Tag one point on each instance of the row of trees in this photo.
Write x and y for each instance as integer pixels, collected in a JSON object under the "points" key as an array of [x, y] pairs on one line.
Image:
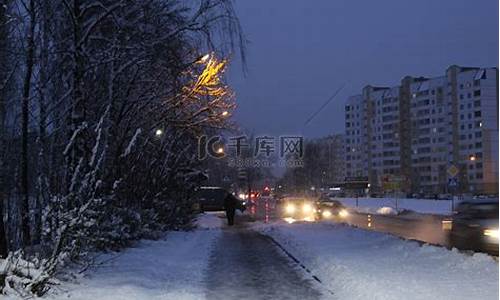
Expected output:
{"points": [[101, 105], [323, 166]]}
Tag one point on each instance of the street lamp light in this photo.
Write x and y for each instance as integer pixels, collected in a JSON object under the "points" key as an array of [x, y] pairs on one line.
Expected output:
{"points": [[472, 158], [158, 132], [204, 58], [225, 113], [220, 150]]}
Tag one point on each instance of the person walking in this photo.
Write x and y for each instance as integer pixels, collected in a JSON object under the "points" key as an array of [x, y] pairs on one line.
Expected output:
{"points": [[230, 205]]}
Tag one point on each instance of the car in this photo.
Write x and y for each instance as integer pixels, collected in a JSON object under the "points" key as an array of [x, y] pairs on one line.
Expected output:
{"points": [[474, 226], [330, 209], [298, 208], [212, 199]]}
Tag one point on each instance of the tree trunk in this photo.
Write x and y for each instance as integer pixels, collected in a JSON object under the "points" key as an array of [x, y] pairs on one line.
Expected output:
{"points": [[25, 217], [78, 102], [3, 44], [42, 183]]}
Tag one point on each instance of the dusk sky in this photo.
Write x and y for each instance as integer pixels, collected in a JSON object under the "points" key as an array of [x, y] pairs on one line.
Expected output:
{"points": [[300, 52]]}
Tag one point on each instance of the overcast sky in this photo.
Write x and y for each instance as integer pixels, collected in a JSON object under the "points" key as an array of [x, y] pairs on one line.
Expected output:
{"points": [[301, 51]]}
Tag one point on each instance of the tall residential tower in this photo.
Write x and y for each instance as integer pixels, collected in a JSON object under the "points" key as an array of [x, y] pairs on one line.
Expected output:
{"points": [[434, 134]]}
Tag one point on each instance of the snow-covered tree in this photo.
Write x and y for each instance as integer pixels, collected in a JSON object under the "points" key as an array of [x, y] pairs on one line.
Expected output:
{"points": [[102, 145]]}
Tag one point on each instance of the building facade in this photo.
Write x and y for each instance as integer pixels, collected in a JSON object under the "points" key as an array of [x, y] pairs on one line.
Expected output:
{"points": [[432, 135]]}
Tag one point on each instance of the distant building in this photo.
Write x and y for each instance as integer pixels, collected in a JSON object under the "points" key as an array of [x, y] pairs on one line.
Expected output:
{"points": [[434, 135]]}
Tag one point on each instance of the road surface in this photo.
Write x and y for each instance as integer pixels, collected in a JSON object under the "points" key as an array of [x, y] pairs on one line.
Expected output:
{"points": [[247, 265], [425, 228], [421, 227]]}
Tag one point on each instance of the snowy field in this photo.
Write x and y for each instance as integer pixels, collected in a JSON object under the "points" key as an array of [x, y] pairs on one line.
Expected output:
{"points": [[360, 264], [389, 205], [170, 268]]}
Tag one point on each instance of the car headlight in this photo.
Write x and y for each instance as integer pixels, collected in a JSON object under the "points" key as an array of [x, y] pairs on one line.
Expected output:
{"points": [[307, 208], [326, 214], [290, 208], [492, 233], [343, 213]]}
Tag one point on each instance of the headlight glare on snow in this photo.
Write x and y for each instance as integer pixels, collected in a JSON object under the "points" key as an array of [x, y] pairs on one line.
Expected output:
{"points": [[326, 214]]}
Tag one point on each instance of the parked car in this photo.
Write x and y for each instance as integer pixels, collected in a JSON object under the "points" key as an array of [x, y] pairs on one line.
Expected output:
{"points": [[474, 226]]}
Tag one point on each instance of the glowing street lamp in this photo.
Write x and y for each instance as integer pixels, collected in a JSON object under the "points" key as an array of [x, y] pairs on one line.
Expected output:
{"points": [[220, 150], [225, 113], [472, 158], [158, 132], [204, 58]]}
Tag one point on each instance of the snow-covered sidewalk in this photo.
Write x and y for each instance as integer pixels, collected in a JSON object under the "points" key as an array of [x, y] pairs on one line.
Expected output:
{"points": [[170, 268], [360, 264]]}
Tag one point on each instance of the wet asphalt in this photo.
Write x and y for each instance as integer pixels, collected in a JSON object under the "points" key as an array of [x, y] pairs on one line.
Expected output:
{"points": [[247, 265]]}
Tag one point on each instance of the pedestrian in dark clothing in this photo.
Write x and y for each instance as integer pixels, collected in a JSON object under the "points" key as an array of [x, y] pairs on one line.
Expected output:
{"points": [[230, 205]]}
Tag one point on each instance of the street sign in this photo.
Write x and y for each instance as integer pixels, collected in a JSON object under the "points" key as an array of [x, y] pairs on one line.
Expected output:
{"points": [[356, 183], [356, 179], [453, 171], [453, 181], [392, 182]]}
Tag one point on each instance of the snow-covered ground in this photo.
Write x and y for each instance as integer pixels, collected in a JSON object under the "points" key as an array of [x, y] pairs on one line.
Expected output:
{"points": [[391, 205], [351, 263], [360, 264], [170, 268]]}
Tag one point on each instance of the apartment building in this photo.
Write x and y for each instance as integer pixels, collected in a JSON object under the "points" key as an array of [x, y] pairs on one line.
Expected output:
{"points": [[356, 137], [438, 134], [430, 135]]}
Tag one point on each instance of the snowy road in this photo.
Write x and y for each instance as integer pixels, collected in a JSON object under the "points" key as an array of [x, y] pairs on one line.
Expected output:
{"points": [[247, 265]]}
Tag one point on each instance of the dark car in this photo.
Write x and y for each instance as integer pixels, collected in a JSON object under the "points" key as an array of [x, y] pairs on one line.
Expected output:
{"points": [[327, 208], [475, 226], [212, 199]]}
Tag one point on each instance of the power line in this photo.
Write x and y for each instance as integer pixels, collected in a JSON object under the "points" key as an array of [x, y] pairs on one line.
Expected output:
{"points": [[324, 105]]}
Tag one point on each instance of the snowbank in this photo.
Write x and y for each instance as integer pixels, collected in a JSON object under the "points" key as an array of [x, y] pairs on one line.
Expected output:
{"points": [[360, 264], [171, 268], [387, 211], [373, 205]]}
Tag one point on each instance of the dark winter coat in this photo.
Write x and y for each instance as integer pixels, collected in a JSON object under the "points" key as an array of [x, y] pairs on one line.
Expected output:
{"points": [[230, 202]]}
